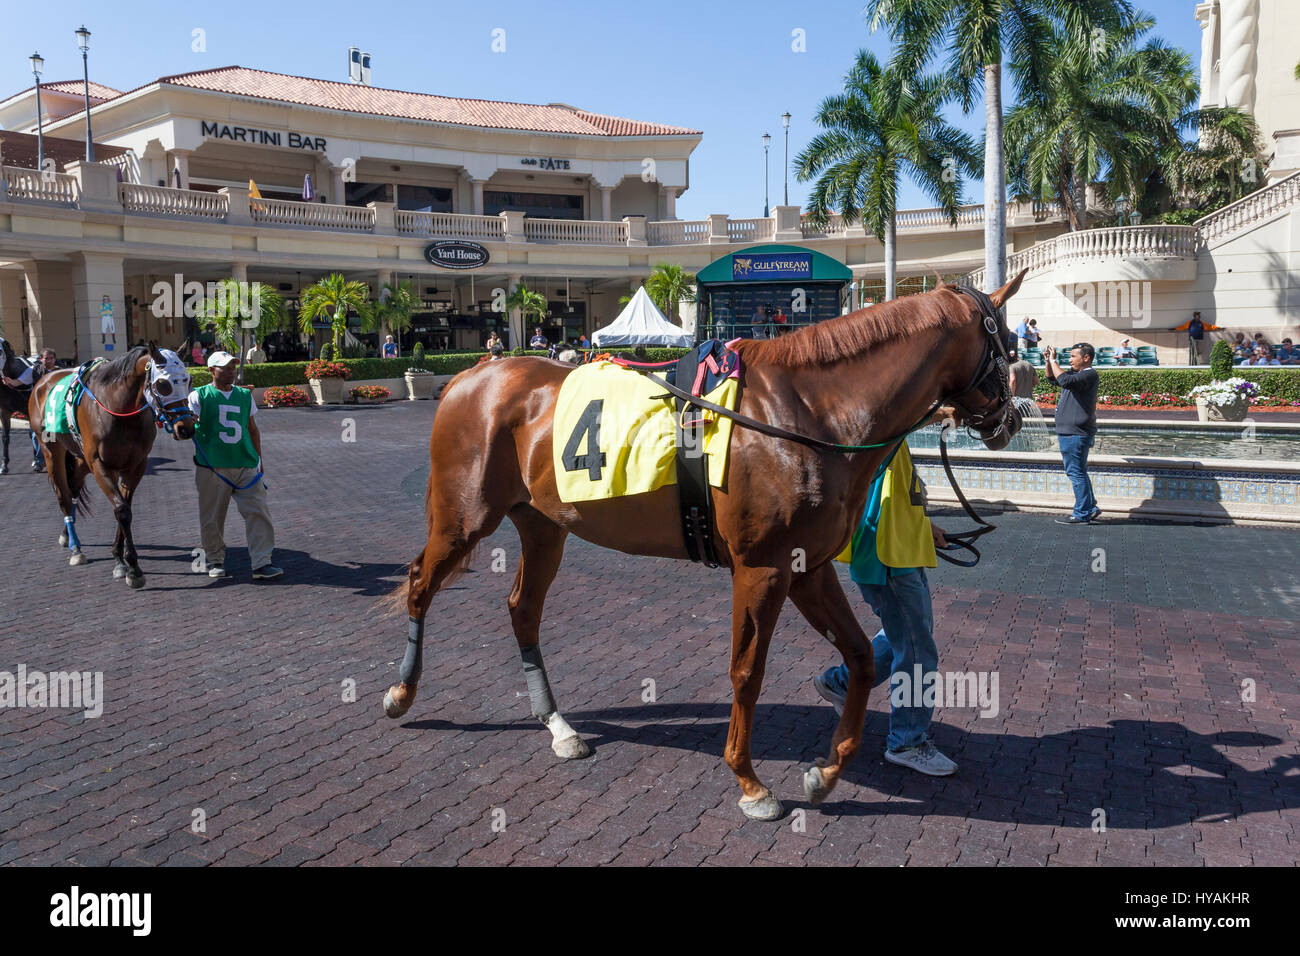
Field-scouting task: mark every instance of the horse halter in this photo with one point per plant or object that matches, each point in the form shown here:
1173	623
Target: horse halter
992	378
159	386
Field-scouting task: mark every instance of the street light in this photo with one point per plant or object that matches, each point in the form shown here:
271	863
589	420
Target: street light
1121	208
767	141
785	121
38	64
83	42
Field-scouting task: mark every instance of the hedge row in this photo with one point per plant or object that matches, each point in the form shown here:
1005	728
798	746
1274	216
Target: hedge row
1275	382
440	363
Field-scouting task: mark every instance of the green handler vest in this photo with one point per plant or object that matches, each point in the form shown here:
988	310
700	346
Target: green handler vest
222	433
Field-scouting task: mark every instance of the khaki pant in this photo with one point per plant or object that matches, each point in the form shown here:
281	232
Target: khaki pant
214	499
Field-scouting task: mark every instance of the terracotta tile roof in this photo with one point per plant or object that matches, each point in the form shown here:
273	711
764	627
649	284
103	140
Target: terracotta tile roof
97	90
19	149
328	94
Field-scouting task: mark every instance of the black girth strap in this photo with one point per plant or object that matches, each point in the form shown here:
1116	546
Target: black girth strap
696	499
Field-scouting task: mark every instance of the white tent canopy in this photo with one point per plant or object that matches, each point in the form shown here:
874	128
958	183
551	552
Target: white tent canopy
641	323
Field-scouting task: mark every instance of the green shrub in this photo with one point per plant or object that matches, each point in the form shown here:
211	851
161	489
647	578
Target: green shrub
326	353
417	356
1274	382
1220	361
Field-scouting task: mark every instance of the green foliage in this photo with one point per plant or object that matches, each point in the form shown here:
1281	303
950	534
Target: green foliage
531	305
668	286
326	353
332	298
225	310
1207	171
1274	382
1220	361
417	356
393	309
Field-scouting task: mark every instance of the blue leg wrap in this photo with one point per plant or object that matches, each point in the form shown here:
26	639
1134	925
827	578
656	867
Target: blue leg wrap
73	542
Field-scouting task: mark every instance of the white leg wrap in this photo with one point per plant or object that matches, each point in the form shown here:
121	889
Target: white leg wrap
559	727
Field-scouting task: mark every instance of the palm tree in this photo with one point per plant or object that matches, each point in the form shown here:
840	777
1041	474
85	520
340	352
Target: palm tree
1207	172
231	302
1094	108
976	33
530	304
885	123
333	297
392	311
668	286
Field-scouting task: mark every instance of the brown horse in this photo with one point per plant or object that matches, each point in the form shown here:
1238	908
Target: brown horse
116	421
860	379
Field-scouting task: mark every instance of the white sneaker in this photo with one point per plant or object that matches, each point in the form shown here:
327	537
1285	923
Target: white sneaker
217	571
831	696
923	758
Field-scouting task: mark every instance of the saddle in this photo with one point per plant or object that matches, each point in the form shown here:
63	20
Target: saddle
699	371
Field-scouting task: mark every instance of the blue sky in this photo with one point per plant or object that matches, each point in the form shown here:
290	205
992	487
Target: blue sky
725	68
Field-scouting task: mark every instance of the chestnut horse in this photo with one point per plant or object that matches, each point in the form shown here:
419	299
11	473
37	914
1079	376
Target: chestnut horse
116	418
860	379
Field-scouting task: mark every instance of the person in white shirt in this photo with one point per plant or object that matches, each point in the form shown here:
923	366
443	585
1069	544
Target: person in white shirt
1263	356
1125	350
255	355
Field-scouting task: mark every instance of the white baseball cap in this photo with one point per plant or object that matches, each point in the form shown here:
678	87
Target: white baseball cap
220	358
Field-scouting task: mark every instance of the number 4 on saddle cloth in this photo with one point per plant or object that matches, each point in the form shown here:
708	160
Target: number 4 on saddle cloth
617	432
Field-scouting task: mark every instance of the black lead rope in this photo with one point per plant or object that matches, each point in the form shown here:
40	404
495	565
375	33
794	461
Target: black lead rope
961	539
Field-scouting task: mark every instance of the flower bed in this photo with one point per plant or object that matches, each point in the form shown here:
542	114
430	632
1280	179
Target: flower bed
1225	392
286	396
374	393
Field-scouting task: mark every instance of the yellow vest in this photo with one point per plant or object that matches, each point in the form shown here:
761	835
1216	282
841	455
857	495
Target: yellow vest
901	529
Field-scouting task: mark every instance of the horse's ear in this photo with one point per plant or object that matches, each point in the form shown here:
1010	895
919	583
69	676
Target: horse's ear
184	352
1000	296
156	354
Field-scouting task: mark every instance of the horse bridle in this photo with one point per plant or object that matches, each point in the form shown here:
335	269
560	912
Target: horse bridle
169	416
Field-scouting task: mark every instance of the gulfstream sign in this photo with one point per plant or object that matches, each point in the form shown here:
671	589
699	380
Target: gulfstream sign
771	265
262	137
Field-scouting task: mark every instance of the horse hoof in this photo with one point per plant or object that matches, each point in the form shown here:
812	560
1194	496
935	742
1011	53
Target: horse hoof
815	788
135	581
63	539
119	569
766	807
571	748
391	706
77	560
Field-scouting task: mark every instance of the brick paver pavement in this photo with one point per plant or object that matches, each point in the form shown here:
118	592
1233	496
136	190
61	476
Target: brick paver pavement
1120	693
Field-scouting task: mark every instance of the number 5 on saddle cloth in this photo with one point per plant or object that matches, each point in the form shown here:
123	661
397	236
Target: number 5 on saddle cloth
618	433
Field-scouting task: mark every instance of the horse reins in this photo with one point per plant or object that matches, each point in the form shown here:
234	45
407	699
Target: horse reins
995	361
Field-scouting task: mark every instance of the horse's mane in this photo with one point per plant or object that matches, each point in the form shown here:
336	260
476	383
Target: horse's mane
122	368
846	336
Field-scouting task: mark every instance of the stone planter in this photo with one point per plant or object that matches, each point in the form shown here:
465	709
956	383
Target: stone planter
420	386
1232	412
327	391
368	401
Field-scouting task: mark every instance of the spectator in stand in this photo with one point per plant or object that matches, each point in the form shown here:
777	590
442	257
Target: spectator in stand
255	355
1288	355
780	319
1076	425
1242	351
1260	340
1028	332
1125	350
756	322
1263	356
538	341
390	347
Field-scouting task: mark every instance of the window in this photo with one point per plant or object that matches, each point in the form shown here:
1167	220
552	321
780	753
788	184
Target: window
539	205
424	198
358	194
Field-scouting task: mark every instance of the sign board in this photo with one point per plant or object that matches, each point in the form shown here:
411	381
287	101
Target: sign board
771	266
456	254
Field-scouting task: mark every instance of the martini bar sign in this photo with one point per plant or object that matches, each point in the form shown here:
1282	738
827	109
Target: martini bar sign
262	137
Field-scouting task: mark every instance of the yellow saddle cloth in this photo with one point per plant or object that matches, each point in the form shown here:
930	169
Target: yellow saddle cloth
614	438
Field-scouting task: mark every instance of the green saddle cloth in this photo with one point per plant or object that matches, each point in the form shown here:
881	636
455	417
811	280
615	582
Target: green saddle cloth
60	406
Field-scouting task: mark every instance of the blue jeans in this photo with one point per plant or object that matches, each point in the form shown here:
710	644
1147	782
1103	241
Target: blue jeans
905	641
1074	452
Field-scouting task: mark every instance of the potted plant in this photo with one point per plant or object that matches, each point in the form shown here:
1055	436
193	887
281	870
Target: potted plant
285	396
1224	401
326	381
419	380
369	394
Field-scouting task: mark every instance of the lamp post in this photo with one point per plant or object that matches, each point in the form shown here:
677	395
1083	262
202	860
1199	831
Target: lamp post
785	121
767	141
1121	209
83	42
38	64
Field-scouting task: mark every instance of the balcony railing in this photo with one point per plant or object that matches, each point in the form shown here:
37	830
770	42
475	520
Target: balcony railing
589	231
165	201
677	232
1249	210
449	225
750	230
834	227
935	218
37	186
1114	242
311	215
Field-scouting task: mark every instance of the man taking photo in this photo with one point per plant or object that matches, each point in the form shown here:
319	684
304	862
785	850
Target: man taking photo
1076	425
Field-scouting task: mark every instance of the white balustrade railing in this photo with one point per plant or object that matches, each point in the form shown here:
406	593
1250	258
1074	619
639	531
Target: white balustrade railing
165	201
1128	242
1249	210
750	230
33	184
449	225
972	215
592	231
676	232
311	215
834	227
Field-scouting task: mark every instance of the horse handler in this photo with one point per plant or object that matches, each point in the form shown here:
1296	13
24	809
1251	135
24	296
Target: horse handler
228	464
891	548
